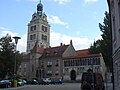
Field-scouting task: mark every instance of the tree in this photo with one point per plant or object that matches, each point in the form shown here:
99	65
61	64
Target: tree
105	45
7	56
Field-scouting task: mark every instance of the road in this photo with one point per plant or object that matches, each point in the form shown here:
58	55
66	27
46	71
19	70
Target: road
64	86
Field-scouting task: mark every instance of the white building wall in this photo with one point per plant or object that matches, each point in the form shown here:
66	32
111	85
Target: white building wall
115	21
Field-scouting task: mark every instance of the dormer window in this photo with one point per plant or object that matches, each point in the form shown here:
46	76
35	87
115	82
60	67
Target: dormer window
55	52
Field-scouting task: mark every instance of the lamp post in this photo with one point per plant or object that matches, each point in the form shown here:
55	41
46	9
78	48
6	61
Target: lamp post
16	41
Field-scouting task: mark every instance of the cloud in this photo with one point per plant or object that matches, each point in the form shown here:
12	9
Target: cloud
62	1
79	43
56	20
55	40
21	46
88	1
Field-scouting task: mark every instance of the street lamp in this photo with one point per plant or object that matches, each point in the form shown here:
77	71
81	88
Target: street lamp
16	41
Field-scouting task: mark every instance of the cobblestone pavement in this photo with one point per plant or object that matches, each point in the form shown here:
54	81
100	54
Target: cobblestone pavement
64	86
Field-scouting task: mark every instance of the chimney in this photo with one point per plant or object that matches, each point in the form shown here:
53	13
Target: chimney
60	44
71	42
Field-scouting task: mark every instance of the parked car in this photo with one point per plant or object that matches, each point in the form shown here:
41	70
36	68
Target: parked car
5	83
20	82
56	81
33	81
92	80
47	80
42	82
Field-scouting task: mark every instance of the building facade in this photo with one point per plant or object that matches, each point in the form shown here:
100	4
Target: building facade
38	38
114	10
61	61
38	30
51	63
73	67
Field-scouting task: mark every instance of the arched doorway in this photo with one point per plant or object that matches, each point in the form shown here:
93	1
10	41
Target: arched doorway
73	75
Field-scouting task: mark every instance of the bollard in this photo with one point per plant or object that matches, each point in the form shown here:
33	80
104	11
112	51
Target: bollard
15	83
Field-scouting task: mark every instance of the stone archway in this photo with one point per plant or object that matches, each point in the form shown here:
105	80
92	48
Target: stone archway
73	75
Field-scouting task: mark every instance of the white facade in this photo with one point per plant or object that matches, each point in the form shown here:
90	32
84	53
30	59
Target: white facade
76	66
114	7
38	30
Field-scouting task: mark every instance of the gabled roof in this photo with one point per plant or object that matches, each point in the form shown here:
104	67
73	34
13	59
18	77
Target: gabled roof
54	51
83	52
37	49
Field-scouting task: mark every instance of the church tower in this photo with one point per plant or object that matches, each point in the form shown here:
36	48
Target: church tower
38	30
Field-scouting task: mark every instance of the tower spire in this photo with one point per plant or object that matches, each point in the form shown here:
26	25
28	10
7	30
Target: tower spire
39	8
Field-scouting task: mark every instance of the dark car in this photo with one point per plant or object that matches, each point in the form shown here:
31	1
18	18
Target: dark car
42	82
33	81
56	81
92	80
5	83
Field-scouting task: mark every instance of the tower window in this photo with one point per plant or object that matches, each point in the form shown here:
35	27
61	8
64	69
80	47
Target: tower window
44	37
33	37
33	28
44	28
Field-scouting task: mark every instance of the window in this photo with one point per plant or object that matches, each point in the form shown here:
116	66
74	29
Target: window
33	37
98	61
44	28
32	68
57	72
113	29
44	37
66	71
49	64
28	46
49	72
89	62
33	28
119	11
30	37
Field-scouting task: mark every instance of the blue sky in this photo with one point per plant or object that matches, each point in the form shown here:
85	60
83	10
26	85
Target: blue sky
75	20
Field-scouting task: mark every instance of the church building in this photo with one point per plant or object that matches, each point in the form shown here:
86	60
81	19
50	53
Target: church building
42	60
38	30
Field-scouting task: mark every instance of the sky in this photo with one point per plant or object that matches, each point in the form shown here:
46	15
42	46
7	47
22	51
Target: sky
76	20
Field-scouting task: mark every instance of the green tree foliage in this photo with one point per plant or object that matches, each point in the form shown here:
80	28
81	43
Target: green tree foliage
104	45
7	56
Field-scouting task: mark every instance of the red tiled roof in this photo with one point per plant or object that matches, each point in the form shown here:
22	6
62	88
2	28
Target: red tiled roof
82	56
83	52
54	51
